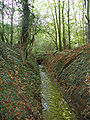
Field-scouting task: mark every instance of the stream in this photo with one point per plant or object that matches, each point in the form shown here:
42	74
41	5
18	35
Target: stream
54	105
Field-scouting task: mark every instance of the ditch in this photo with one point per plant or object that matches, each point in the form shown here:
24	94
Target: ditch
54	105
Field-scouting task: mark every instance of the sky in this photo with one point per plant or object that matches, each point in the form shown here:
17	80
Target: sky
40	5
7	15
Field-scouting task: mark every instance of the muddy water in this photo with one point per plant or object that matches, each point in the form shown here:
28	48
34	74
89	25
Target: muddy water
54	105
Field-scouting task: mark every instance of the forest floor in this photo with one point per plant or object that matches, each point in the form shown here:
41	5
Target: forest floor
20	97
71	70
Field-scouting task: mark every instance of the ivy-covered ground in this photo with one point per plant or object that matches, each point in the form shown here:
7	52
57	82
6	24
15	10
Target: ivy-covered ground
71	70
19	87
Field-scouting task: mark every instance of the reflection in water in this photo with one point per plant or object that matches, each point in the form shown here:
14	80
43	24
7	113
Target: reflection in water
54	105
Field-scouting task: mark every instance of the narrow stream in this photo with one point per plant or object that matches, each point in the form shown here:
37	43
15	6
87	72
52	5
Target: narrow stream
54	105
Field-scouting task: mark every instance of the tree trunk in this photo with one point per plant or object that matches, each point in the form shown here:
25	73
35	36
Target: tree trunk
88	10
56	13
56	36
69	39
12	24
56	22
25	21
83	26
63	22
55	28
2	34
59	27
89	32
25	25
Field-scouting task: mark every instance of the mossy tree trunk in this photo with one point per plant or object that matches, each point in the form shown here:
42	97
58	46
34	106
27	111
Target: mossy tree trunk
25	25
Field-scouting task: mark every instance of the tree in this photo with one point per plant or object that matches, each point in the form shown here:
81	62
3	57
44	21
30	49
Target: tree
25	21
55	26
25	25
83	23
69	44
58	22
63	22
59	26
2	34
88	18
12	23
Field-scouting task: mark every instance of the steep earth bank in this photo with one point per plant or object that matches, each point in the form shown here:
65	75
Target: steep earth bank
71	70
19	87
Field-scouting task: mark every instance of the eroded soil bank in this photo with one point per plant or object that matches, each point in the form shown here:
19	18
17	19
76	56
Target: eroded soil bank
71	70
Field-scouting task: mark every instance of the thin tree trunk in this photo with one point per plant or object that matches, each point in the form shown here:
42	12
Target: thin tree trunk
88	10
7	38
35	56
89	32
56	19
55	28
76	26
8	27
58	22
56	36
83	26
69	39
59	27
63	22
2	35
56	13
12	24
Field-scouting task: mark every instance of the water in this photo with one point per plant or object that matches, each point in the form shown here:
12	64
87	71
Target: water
54	105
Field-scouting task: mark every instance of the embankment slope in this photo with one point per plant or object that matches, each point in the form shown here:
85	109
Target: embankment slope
71	70
19	87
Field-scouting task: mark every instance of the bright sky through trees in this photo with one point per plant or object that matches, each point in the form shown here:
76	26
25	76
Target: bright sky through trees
42	7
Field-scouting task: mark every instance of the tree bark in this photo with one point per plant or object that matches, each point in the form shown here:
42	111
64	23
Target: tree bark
89	32
69	39
25	21
12	23
88	10
2	34
63	22
55	28
59	27
83	26
25	25
55	35
56	21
